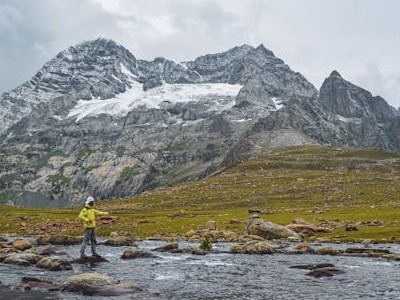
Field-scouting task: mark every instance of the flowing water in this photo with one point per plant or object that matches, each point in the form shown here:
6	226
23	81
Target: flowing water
222	275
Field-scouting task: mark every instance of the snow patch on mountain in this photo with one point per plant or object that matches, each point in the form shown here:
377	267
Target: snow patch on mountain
135	97
279	103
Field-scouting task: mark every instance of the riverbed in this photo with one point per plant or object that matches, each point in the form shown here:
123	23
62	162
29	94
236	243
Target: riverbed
222	275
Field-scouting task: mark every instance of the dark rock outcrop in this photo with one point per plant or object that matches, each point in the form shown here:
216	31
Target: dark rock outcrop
91	260
325	272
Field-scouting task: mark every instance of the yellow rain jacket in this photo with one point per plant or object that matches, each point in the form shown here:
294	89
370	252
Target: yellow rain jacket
88	216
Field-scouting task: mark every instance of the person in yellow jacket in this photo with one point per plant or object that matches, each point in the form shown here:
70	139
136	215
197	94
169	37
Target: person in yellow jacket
88	216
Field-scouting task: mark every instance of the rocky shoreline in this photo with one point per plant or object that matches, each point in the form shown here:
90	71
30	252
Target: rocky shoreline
261	238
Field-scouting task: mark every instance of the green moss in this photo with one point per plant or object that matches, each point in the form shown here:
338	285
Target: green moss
8	178
91	168
206	244
317	184
57	153
83	153
120	151
5	196
58	179
142	151
129	172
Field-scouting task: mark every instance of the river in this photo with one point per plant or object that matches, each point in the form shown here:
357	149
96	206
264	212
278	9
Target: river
222	275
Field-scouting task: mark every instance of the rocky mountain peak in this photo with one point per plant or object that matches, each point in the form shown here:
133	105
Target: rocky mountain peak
335	74
95	69
95	120
340	97
261	48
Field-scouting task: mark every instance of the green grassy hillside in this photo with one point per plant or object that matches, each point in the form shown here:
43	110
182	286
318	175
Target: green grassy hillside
332	188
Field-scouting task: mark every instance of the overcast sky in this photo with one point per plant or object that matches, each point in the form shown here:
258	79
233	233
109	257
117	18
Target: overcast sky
358	38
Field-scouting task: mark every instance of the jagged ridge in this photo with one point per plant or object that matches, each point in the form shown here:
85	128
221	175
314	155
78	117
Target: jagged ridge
95	120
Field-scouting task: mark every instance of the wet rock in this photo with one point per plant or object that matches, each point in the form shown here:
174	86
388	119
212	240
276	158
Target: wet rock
21	259
29	283
21	244
167	247
132	254
198	251
312	266
54	263
90	260
326	251
46	251
325	272
255	247
392	256
59	240
269	230
248	238
118	241
303	248
215	235
8	250
367	251
96	284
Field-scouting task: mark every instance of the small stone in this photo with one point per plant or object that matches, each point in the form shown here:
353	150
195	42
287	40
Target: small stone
132	254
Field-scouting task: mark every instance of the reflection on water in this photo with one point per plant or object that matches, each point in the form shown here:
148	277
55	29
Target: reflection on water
222	276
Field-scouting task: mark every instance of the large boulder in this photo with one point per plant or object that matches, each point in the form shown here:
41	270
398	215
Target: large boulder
313	266
319	270
31	283
22	259
325	272
117	241
92	260
96	284
54	263
168	247
59	240
21	244
269	230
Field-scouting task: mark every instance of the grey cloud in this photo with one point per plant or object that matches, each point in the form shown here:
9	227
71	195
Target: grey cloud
313	37
32	32
374	79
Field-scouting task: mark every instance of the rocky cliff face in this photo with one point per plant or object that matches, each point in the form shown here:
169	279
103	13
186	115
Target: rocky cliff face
364	117
95	120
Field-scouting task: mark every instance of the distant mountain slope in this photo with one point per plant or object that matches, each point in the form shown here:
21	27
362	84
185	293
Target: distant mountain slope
96	120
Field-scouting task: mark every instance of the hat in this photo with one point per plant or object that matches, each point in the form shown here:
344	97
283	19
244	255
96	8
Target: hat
89	200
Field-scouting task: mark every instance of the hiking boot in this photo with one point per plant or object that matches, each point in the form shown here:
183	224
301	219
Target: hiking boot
96	255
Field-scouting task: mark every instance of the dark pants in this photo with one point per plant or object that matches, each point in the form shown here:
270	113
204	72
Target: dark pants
90	235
